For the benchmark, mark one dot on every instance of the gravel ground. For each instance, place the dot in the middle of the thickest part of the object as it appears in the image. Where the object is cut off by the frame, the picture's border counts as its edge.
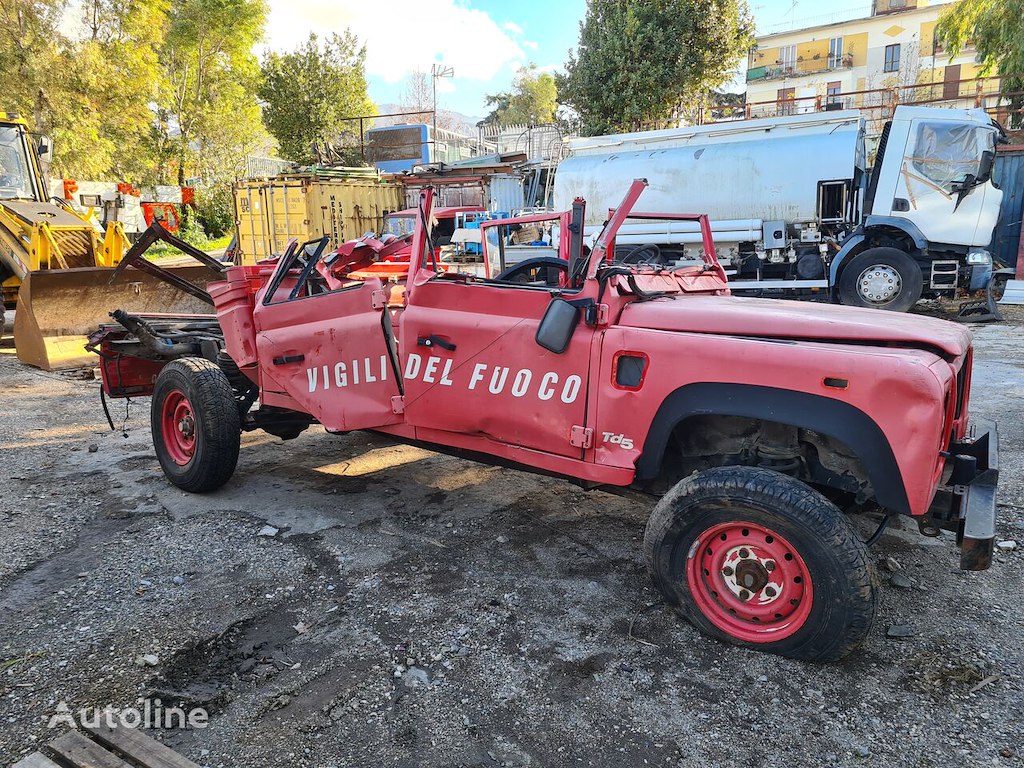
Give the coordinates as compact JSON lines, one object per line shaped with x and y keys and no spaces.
{"x":418,"y":610}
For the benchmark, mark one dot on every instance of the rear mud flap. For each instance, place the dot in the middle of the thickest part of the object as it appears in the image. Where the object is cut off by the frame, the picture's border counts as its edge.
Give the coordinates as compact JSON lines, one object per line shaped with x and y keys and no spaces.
{"x":58,"y":309}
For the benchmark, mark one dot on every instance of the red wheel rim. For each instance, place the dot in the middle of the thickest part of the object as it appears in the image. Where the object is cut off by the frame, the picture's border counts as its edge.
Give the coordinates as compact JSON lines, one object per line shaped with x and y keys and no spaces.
{"x":178,"y":423}
{"x":749,"y":582}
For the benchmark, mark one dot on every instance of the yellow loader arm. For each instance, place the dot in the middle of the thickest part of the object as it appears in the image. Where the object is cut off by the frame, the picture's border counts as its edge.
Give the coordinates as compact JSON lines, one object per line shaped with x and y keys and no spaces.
{"x":64,"y":299}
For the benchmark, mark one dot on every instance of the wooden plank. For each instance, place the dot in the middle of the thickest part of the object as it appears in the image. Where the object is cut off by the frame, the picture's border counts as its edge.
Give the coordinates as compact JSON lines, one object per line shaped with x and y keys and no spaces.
{"x":36,"y":760}
{"x":139,"y":747}
{"x":82,"y":753}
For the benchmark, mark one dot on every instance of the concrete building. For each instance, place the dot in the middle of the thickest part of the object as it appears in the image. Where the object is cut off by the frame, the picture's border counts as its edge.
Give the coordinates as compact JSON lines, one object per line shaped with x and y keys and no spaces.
{"x":872,"y":63}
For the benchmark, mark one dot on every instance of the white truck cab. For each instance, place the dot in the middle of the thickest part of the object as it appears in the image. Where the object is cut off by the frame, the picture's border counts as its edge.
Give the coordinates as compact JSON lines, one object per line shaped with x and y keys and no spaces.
{"x":931,"y":188}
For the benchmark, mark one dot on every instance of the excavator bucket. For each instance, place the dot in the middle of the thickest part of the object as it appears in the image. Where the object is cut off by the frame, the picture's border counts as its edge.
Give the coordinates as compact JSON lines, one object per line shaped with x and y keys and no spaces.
{"x":58,"y":309}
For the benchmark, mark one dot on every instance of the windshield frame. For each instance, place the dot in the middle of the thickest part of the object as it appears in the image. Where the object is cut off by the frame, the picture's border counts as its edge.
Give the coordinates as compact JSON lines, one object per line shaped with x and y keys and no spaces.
{"x":400,"y":219}
{"x":28,"y":157}
{"x":494,"y":232}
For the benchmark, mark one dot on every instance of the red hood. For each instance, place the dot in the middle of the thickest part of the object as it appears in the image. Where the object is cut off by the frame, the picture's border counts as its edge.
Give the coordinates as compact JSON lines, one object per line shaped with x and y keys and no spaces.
{"x":772,"y":318}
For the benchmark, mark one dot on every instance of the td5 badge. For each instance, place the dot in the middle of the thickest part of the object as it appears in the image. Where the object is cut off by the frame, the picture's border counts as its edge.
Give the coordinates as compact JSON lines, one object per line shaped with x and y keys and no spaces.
{"x":620,"y":440}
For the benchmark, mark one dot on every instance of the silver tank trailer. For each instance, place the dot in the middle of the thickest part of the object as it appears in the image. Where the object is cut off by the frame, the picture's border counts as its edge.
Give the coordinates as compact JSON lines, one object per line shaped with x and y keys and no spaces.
{"x":742,"y":175}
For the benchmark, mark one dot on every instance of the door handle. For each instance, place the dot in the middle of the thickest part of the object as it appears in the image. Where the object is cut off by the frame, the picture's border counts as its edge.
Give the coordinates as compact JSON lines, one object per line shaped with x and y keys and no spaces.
{"x":285,"y":359}
{"x":435,"y":341}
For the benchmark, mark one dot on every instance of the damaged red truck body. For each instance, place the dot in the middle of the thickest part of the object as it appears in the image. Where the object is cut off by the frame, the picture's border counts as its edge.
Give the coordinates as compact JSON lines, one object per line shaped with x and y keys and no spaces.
{"x":761,"y":424}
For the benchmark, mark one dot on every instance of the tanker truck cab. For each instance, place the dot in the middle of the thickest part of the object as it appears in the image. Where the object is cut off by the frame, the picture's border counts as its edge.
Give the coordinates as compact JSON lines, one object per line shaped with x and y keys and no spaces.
{"x":930,"y":197}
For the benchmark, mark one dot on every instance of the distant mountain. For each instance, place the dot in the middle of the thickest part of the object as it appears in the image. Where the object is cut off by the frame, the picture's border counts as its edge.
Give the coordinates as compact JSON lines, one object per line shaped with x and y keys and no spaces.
{"x":455,"y":121}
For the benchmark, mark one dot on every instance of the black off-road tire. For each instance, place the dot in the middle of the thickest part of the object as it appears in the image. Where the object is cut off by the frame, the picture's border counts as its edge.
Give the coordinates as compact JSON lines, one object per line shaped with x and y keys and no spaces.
{"x":844,"y":587}
{"x":891,"y":261}
{"x":217,"y":424}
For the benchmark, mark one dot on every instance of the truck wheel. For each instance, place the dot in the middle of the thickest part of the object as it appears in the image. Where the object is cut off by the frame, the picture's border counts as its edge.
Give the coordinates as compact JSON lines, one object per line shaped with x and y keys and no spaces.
{"x":757,"y":558}
{"x":195,"y":423}
{"x":881,"y":278}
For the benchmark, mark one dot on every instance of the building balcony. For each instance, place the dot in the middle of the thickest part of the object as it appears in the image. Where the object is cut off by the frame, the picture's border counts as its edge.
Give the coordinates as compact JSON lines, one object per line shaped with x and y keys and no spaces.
{"x":800,"y":68}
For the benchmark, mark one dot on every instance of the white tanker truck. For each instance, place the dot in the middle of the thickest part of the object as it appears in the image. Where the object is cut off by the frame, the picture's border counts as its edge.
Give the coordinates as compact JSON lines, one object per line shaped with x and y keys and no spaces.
{"x":794,"y":208}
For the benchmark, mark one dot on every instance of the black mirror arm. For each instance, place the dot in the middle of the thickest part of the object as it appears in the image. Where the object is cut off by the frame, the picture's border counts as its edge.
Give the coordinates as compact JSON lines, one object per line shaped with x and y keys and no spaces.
{"x":964,"y":188}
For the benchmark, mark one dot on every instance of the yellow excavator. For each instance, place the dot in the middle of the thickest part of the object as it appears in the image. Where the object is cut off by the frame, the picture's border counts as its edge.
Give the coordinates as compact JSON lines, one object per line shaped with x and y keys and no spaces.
{"x":56,"y":265}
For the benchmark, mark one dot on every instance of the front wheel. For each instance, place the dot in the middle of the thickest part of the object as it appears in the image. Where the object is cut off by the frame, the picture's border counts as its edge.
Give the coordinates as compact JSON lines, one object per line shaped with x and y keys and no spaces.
{"x":881,"y":278}
{"x":757,"y":558}
{"x":196,"y":427}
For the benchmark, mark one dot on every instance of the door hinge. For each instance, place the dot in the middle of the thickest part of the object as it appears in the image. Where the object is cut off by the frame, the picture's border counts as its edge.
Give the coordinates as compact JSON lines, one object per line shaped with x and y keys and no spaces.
{"x":379,"y":299}
{"x":398,"y":404}
{"x":602,"y":314}
{"x":581,"y":437}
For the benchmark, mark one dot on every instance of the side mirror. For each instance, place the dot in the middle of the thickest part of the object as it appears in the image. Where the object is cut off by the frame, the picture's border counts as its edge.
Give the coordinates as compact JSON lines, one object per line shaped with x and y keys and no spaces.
{"x":45,"y":149}
{"x":557,"y":326}
{"x":988,"y":160}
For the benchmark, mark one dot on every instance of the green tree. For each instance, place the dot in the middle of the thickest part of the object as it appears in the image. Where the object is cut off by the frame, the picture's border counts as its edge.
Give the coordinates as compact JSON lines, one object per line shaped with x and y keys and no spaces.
{"x":997,"y":32}
{"x":645,"y":60}
{"x":138,"y":90}
{"x":307,"y":93}
{"x":215,"y":209}
{"x":531,"y":101}
{"x":207,"y":99}
{"x":101,"y":118}
{"x":29,"y":48}
{"x":90,"y":91}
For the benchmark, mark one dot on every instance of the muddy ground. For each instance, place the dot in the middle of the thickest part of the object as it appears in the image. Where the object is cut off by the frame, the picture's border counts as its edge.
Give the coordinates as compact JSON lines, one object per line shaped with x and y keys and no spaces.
{"x":418,"y":610}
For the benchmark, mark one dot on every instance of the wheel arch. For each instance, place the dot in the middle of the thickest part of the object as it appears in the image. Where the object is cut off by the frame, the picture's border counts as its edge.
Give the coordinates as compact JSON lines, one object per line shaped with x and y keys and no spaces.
{"x":825,"y":415}
{"x":875,"y":231}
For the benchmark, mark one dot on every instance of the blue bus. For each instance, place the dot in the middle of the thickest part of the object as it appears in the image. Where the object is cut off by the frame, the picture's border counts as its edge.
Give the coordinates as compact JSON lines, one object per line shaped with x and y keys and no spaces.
{"x":397,"y":148}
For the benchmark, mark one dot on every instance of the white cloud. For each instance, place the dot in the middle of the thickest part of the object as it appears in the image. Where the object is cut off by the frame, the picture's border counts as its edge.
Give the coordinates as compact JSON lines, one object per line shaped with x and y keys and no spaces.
{"x":403,"y":35}
{"x":529,"y":44}
{"x":512,"y":27}
{"x":445,"y":85}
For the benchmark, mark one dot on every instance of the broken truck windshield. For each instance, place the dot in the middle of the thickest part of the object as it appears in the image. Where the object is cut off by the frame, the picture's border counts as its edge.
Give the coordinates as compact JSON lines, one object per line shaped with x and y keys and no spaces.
{"x":947,"y":153}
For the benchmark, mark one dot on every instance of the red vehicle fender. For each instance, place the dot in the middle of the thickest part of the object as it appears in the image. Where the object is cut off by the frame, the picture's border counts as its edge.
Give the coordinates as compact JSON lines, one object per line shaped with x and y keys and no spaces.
{"x":732,"y":376}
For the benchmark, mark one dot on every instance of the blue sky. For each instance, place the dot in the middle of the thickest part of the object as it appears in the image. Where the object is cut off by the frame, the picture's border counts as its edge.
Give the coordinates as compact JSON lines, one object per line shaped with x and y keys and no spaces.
{"x":485,"y":41}
{"x":553,"y":27}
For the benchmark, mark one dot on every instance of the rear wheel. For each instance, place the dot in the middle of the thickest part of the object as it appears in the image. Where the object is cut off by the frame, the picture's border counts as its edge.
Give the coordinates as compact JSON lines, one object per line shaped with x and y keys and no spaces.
{"x":757,"y":558}
{"x":195,"y":423}
{"x":881,"y":278}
